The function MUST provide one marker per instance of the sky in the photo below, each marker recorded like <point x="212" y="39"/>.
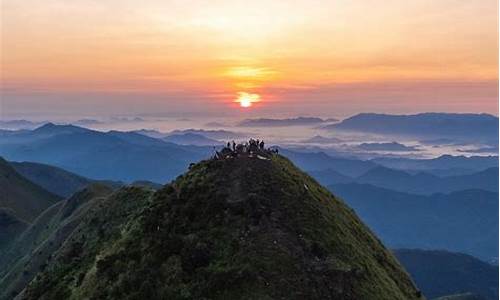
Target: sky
<point x="247" y="58"/>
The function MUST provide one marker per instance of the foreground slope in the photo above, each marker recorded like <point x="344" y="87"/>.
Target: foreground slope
<point x="240" y="228"/>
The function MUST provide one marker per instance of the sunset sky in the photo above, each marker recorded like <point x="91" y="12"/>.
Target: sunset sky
<point x="325" y="58"/>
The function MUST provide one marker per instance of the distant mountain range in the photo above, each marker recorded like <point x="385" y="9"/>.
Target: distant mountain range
<point x="462" y="221"/>
<point x="120" y="156"/>
<point x="471" y="163"/>
<point x="131" y="156"/>
<point x="425" y="125"/>
<point x="442" y="273"/>
<point x="418" y="183"/>
<point x="427" y="184"/>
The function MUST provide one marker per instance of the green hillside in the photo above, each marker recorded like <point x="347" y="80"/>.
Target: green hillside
<point x="243" y="228"/>
<point x="25" y="199"/>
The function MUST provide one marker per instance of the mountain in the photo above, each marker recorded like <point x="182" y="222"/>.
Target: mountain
<point x="191" y="139"/>
<point x="243" y="228"/>
<point x="425" y="125"/>
<point x="53" y="129"/>
<point x="315" y="161"/>
<point x="441" y="273"/>
<point x="463" y="221"/>
<point x="331" y="170"/>
<point x="472" y="163"/>
<point x="151" y="133"/>
<point x="427" y="184"/>
<point x="24" y="199"/>
<point x="299" y="121"/>
<point x="119" y="156"/>
<point x="53" y="179"/>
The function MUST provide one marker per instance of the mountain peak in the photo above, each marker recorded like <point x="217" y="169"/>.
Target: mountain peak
<point x="51" y="128"/>
<point x="232" y="228"/>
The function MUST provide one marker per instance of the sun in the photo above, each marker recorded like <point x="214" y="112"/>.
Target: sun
<point x="247" y="99"/>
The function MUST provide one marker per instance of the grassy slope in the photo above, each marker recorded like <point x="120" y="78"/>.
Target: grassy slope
<point x="26" y="199"/>
<point x="232" y="229"/>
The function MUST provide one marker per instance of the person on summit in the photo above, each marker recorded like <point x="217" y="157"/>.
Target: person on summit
<point x="234" y="146"/>
<point x="261" y="145"/>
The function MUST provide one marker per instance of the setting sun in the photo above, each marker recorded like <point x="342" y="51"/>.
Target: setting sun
<point x="247" y="99"/>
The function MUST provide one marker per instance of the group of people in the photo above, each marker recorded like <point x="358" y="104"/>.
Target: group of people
<point x="250" y="148"/>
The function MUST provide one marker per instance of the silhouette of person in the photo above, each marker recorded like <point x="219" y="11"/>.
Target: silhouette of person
<point x="261" y="145"/>
<point x="234" y="146"/>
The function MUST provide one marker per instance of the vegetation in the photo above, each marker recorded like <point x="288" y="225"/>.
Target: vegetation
<point x="228" y="229"/>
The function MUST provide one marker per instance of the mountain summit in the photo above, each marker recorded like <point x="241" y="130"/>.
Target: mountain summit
<point x="232" y="228"/>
